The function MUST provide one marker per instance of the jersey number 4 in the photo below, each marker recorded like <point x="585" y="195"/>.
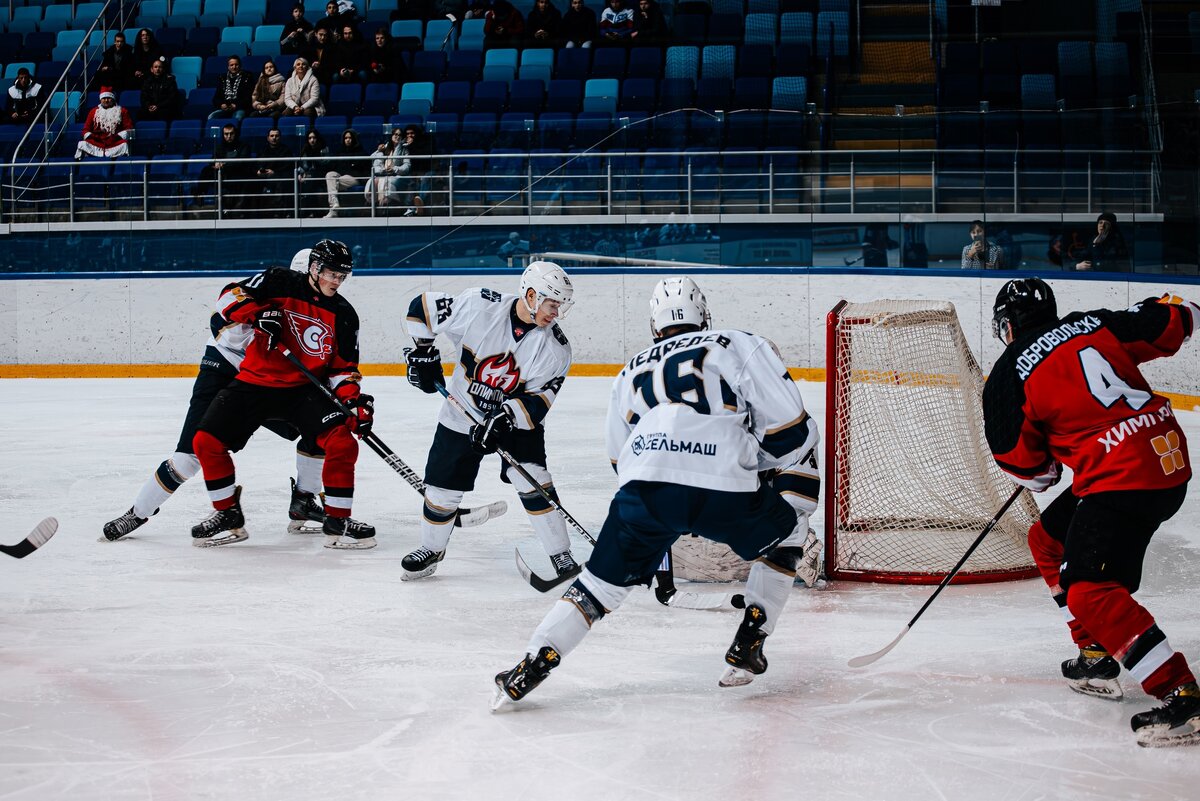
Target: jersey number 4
<point x="1104" y="383"/>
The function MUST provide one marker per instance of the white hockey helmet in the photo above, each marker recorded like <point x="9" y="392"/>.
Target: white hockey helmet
<point x="549" y="282"/>
<point x="677" y="301"/>
<point x="300" y="260"/>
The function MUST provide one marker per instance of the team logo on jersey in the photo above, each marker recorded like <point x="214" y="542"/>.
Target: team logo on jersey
<point x="314" y="336"/>
<point x="498" y="372"/>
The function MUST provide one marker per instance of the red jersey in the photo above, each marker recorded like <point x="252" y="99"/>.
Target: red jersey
<point x="1071" y="392"/>
<point x="321" y="332"/>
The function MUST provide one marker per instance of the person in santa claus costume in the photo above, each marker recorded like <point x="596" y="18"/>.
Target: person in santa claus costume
<point x="106" y="130"/>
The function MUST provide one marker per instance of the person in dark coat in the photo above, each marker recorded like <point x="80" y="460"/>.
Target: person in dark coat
<point x="161" y="99"/>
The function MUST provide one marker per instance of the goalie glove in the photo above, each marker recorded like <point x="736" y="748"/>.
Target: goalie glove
<point x="424" y="367"/>
<point x="489" y="435"/>
<point x="270" y="322"/>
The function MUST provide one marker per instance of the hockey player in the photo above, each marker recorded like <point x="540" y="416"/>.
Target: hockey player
<point x="218" y="366"/>
<point x="692" y="420"/>
<point x="512" y="361"/>
<point x="1069" y="391"/>
<point x="306" y="314"/>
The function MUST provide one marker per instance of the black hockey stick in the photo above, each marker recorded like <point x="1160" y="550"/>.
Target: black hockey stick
<point x="538" y="583"/>
<point x="40" y="535"/>
<point x="866" y="659"/>
<point x="465" y="517"/>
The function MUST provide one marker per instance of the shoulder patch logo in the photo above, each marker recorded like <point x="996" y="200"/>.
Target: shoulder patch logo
<point x="314" y="336"/>
<point x="498" y="372"/>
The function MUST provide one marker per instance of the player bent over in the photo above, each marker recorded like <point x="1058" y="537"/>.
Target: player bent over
<point x="691" y="422"/>
<point x="512" y="361"/>
<point x="306" y="315"/>
<point x="218" y="367"/>
<point x="1070" y="391"/>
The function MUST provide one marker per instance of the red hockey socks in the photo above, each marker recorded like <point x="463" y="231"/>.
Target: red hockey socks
<point x="1129" y="633"/>
<point x="217" y="465"/>
<point x="341" y="452"/>
<point x="1047" y="554"/>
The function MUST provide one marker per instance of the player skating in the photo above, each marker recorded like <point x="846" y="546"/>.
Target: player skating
<point x="1069" y="391"/>
<point x="692" y="420"/>
<point x="218" y="367"/>
<point x="307" y="315"/>
<point x="512" y="361"/>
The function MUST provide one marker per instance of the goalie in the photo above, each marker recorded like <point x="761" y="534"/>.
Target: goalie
<point x="692" y="420"/>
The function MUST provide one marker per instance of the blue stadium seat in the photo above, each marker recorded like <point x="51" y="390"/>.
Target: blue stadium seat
<point x="538" y="55"/>
<point x="444" y="130"/>
<point x="683" y="62"/>
<point x="380" y="98"/>
<point x="592" y="127"/>
<point x="1038" y="92"/>
<point x="503" y="72"/>
<point x="436" y="32"/>
<point x="184" y="136"/>
<point x="71" y="39"/>
<point x="608" y="62"/>
<point x="344" y="99"/>
<point x="762" y="29"/>
<point x="478" y="130"/>
<point x="998" y="56"/>
<point x="254" y="130"/>
<point x="556" y="129"/>
<point x="192" y="7"/>
<point x="573" y="64"/>
<point x="331" y="127"/>
<point x="516" y="129"/>
<point x="199" y="102"/>
<point x="737" y="7"/>
<point x="715" y="94"/>
<point x="535" y="72"/>
<point x="752" y="93"/>
<point x="600" y="95"/>
<point x="748" y="128"/>
<point x="639" y="94"/>
<point x="471" y="35"/>
<point x="756" y="61"/>
<point x="56" y="18"/>
<point x="86" y="13"/>
<point x="833" y="30"/>
<point x="526" y="96"/>
<point x="1074" y="58"/>
<point x="465" y="65"/>
<point x="500" y="56"/>
<point x="789" y="93"/>
<point x="416" y="93"/>
<point x="564" y="96"/>
<point x="453" y="97"/>
<point x="676" y="93"/>
<point x="645" y="62"/>
<point x="689" y="28"/>
<point x="727" y="29"/>
<point x="718" y="61"/>
<point x="490" y="97"/>
<point x="203" y="41"/>
<point x="427" y="66"/>
<point x="408" y="29"/>
<point x="763" y="7"/>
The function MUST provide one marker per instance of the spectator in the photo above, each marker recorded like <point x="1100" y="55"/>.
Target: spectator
<point x="314" y="163"/>
<point x="981" y="254"/>
<point x="348" y="171"/>
<point x="414" y="9"/>
<point x="351" y="57"/>
<point x="230" y="165"/>
<point x="1107" y="251"/>
<point x="384" y="173"/>
<point x="294" y="39"/>
<point x="321" y="56"/>
<point x="450" y="8"/>
<point x="267" y="97"/>
<point x="385" y="63"/>
<point x="275" y="186"/>
<point x="649" y="24"/>
<point x="503" y="25"/>
<point x="607" y="246"/>
<point x="146" y="50"/>
<point x="161" y="99"/>
<point x="23" y="99"/>
<point x="332" y="22"/>
<point x="116" y="68"/>
<point x="302" y="92"/>
<point x="106" y="130"/>
<point x="579" y="25"/>
<point x="514" y="246"/>
<point x="234" y="90"/>
<point x="616" y="23"/>
<point x="543" y="24"/>
<point x="415" y="145"/>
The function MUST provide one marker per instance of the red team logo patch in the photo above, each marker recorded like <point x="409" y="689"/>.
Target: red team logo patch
<point x="312" y="335"/>
<point x="499" y="372"/>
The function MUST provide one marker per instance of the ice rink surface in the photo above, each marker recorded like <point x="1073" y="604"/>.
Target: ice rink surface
<point x="278" y="669"/>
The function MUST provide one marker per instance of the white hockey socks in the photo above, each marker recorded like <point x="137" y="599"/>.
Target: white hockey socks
<point x="437" y="517"/>
<point x="308" y="473"/>
<point x="568" y="622"/>
<point x="547" y="523"/>
<point x="169" y="476"/>
<point x="772" y="576"/>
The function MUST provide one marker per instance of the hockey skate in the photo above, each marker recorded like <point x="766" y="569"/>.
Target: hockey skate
<point x="513" y="685"/>
<point x="348" y="534"/>
<point x="565" y="565"/>
<point x="231" y="520"/>
<point x="421" y="563"/>
<point x="126" y="523"/>
<point x="1094" y="673"/>
<point x="307" y="514"/>
<point x="745" y="656"/>
<point x="1176" y="722"/>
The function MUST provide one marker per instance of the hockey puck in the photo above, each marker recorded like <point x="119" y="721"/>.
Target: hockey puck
<point x="738" y="601"/>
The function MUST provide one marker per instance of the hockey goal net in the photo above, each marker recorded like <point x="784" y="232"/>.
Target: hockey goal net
<point x="909" y="479"/>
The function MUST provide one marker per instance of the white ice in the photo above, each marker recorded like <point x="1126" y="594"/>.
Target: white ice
<point x="277" y="669"/>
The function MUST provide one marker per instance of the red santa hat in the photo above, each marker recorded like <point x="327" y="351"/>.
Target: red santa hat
<point x="106" y="91"/>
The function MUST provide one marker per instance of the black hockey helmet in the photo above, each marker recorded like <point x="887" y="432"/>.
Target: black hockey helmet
<point x="330" y="254"/>
<point x="1023" y="303"/>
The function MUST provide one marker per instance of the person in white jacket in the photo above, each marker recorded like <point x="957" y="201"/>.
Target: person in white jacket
<point x="302" y="92"/>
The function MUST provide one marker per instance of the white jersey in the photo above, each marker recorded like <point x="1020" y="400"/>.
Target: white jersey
<point x="228" y="338"/>
<point x="501" y="359"/>
<point x="707" y="409"/>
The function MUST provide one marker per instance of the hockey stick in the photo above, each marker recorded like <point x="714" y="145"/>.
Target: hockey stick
<point x="537" y="582"/>
<point x="862" y="661"/>
<point x="465" y="517"/>
<point x="40" y="535"/>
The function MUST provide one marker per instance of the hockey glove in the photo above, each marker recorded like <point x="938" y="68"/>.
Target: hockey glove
<point x="270" y="322"/>
<point x="364" y="414"/>
<point x="425" y="367"/>
<point x="489" y="435"/>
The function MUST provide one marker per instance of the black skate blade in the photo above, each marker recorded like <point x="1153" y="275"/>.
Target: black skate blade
<point x="537" y="582"/>
<point x="234" y="535"/>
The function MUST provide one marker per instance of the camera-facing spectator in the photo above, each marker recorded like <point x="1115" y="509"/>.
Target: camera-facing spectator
<point x="231" y="162"/>
<point x="106" y="129"/>
<point x="346" y="173"/>
<point x="234" y="91"/>
<point x="503" y="25"/>
<point x="386" y="64"/>
<point x="1107" y="251"/>
<point x="116" y="68"/>
<point x="332" y="22"/>
<point x="415" y="163"/>
<point x="352" y="58"/>
<point x="275" y="176"/>
<point x="321" y="55"/>
<point x="981" y="254"/>
<point x="616" y="23"/>
<point x="24" y="98"/>
<point x="314" y="163"/>
<point x="649" y="24"/>
<point x="543" y="25"/>
<point x="294" y="38"/>
<point x="302" y="92"/>
<point x="381" y="185"/>
<point x="267" y="97"/>
<point x="146" y="50"/>
<point x="161" y="98"/>
<point x="579" y="25"/>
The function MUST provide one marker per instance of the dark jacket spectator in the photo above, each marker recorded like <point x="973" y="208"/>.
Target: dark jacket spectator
<point x="146" y="50"/>
<point x="416" y="144"/>
<point x="543" y="24"/>
<point x="649" y="24"/>
<point x="161" y="99"/>
<point x="267" y="97"/>
<point x="579" y="25"/>
<point x="275" y="176"/>
<point x="332" y="21"/>
<point x="231" y="166"/>
<point x="294" y="39"/>
<point x="321" y="55"/>
<point x="1107" y="251"/>
<point x="413" y="9"/>
<point x="386" y="64"/>
<point x="314" y="163"/>
<point x="116" y="68"/>
<point x="347" y="172"/>
<point x="234" y="91"/>
<point x="24" y="98"/>
<point x="352" y="57"/>
<point x="503" y="25"/>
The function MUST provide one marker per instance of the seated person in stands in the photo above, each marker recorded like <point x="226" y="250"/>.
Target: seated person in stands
<point x="24" y="98"/>
<point x="616" y="23"/>
<point x="276" y="176"/>
<point x="302" y="92"/>
<point x="543" y="24"/>
<point x="267" y="97"/>
<point x="146" y="50"/>
<point x="294" y="39"/>
<point x="1107" y="251"/>
<point x="116" y="68"/>
<point x="579" y="25"/>
<point x="503" y="25"/>
<point x="415" y="144"/>
<point x="332" y="22"/>
<point x="347" y="172"/>
<point x="385" y="63"/>
<point x="106" y="130"/>
<point x="352" y="57"/>
<point x="981" y="254"/>
<point x="234" y="91"/>
<point x="231" y="160"/>
<point x="649" y="24"/>
<point x="314" y="163"/>
<point x="320" y="55"/>
<point x="161" y="98"/>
